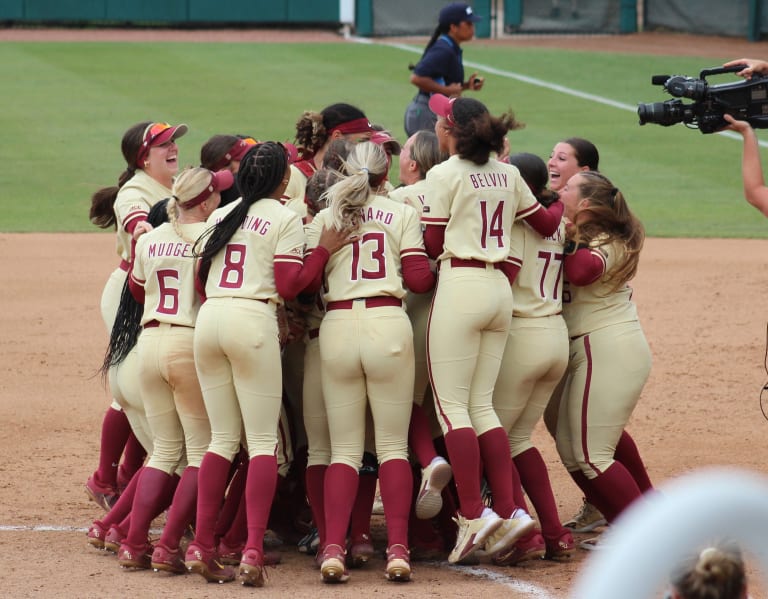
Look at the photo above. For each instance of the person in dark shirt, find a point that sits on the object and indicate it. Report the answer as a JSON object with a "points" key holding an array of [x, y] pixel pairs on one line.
{"points": [[440, 69]]}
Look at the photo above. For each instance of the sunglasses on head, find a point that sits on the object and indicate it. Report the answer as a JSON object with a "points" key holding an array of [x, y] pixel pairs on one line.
{"points": [[152, 131]]}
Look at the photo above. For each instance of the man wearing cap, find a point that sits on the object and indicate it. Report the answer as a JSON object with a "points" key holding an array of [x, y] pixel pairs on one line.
{"points": [[440, 69]]}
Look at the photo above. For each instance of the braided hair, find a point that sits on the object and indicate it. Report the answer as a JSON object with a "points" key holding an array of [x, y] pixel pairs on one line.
{"points": [[366, 168], [189, 183], [102, 213], [127, 325], [441, 29], [261, 173]]}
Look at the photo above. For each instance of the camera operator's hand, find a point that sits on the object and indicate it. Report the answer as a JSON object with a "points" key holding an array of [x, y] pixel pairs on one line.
{"points": [[753, 66], [741, 127]]}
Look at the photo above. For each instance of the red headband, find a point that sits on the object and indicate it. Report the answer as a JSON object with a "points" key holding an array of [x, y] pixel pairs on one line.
{"points": [[220, 180], [156, 134], [362, 125]]}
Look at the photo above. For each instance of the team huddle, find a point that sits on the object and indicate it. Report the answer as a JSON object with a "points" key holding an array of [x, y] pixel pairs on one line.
{"points": [[290, 332]]}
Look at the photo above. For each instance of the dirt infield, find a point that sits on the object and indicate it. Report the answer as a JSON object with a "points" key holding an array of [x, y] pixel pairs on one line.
{"points": [[696, 299], [702, 303]]}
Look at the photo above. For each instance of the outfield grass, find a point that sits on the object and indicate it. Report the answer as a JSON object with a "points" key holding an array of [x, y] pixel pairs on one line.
{"points": [[68, 104]]}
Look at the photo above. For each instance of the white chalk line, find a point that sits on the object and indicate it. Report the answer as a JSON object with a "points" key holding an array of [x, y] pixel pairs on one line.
{"points": [[569, 91], [521, 586]]}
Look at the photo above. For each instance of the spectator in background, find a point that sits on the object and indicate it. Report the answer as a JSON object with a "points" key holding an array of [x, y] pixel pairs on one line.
{"points": [[440, 69]]}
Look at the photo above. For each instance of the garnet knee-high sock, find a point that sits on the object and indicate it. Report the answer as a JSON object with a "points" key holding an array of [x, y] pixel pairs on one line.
{"points": [[115, 430], [182, 511], [464, 452], [133, 459], [360, 518], [500, 471], [535, 479], [315, 477], [589, 494], [420, 437], [340, 490], [259, 493], [122, 508], [211, 484], [150, 494], [616, 489], [235, 496], [396, 482], [237, 534], [627, 453]]}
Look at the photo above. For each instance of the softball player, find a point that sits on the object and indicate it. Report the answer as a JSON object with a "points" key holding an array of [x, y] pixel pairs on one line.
{"points": [[109, 532], [609, 355], [534, 360], [419, 154], [569, 157], [162, 278], [225, 152], [151, 155], [470, 205], [251, 261], [366, 351], [314, 132]]}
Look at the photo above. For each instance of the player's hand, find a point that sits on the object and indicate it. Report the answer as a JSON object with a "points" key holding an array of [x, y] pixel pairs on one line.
{"points": [[141, 228], [333, 240], [753, 66]]}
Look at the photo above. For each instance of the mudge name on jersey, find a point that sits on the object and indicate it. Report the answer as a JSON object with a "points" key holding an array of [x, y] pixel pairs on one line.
{"points": [[176, 249], [483, 180]]}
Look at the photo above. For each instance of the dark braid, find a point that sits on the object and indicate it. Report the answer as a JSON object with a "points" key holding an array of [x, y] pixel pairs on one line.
{"points": [[127, 325], [439, 30], [261, 173]]}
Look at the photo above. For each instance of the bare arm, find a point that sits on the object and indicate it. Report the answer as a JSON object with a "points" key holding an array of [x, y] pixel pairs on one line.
{"points": [[430, 86], [755, 190]]}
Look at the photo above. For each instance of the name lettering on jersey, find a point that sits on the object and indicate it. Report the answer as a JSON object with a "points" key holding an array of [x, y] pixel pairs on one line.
{"points": [[176, 249], [420, 197], [556, 236], [256, 225], [482, 180], [369, 214]]}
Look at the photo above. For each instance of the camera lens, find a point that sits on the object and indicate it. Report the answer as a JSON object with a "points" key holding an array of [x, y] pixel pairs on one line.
{"points": [[661, 113]]}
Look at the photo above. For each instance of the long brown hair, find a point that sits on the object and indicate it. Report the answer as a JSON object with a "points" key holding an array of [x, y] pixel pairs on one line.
{"points": [[608, 219]]}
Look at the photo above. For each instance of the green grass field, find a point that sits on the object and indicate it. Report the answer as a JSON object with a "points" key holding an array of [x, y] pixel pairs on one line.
{"points": [[68, 104]]}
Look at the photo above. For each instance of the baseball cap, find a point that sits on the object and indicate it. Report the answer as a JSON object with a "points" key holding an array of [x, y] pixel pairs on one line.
{"points": [[220, 180], [457, 12], [442, 106], [156, 134], [390, 144]]}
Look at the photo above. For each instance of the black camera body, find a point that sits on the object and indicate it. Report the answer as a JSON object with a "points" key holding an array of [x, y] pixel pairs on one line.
{"points": [[745, 100]]}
